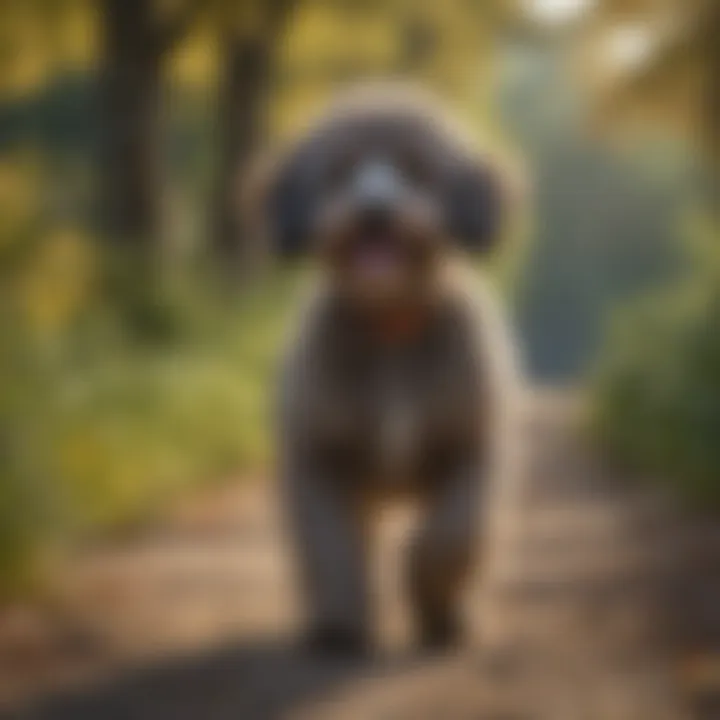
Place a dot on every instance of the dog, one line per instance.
(398, 380)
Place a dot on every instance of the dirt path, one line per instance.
(598, 604)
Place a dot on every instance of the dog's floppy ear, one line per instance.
(279, 200)
(476, 202)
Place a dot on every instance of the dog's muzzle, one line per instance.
(378, 190)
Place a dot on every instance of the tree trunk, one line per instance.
(130, 169)
(241, 117)
(242, 121)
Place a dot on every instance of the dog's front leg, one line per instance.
(442, 556)
(328, 525)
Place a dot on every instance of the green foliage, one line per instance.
(107, 411)
(657, 397)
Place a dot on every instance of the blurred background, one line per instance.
(140, 318)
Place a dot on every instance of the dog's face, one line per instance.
(379, 190)
(378, 219)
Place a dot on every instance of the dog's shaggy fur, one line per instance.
(398, 380)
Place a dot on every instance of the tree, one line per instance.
(249, 41)
(136, 37)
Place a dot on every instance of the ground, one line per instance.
(599, 600)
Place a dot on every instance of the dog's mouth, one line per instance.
(379, 259)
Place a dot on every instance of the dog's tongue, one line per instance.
(377, 261)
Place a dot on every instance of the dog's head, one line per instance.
(380, 188)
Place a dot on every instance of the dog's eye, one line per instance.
(341, 169)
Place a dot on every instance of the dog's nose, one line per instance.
(378, 190)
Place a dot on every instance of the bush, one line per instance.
(657, 396)
(104, 414)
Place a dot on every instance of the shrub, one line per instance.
(657, 396)
(101, 419)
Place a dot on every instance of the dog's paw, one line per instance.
(336, 641)
(441, 634)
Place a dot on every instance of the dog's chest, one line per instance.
(395, 414)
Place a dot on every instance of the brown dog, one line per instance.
(397, 380)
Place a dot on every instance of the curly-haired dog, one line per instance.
(395, 383)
